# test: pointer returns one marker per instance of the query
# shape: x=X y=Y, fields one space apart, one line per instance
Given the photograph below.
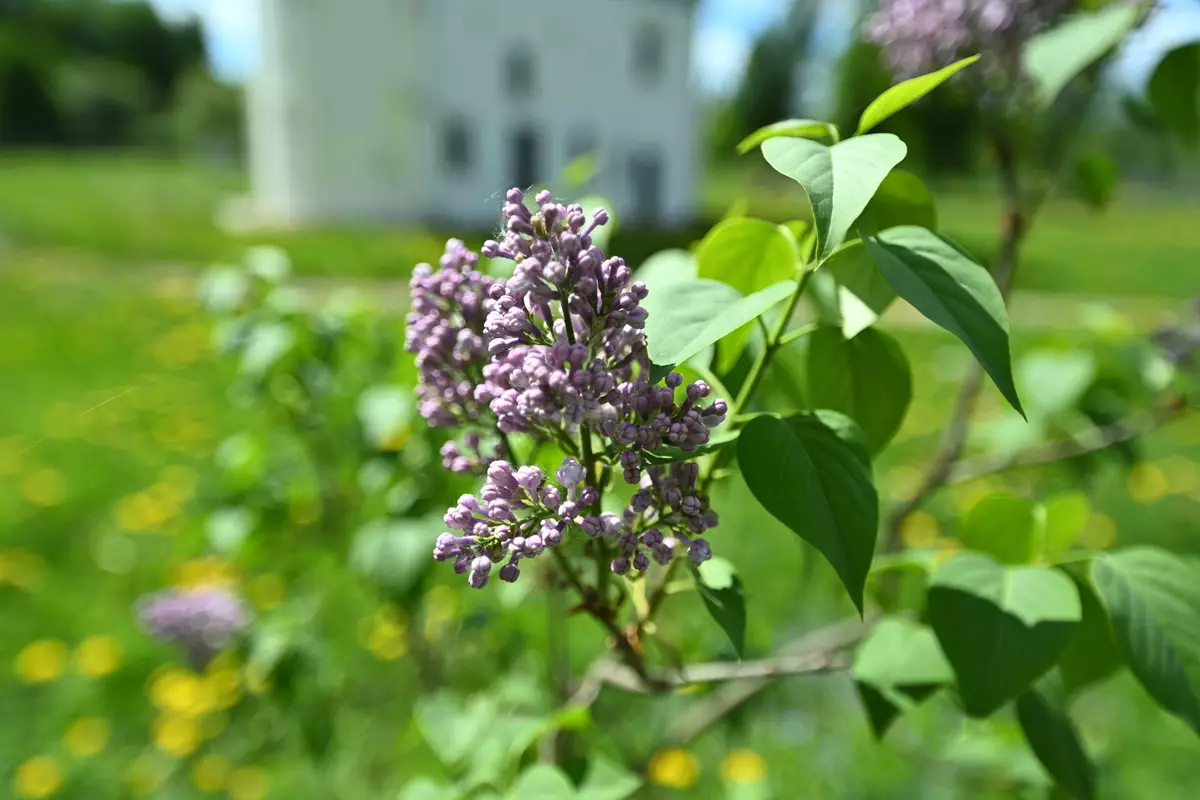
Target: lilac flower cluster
x=201 y=622
x=517 y=515
x=557 y=351
x=919 y=36
x=666 y=500
x=445 y=331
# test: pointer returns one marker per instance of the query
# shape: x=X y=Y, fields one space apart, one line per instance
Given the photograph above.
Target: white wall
x=349 y=110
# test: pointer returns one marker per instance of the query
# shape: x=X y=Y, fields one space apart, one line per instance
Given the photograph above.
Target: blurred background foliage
x=252 y=427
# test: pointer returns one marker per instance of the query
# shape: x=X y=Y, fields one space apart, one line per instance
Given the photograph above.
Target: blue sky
x=724 y=33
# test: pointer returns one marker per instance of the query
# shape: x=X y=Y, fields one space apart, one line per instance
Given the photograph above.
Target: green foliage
x=721 y=590
x=839 y=180
x=1057 y=56
x=899 y=665
x=1174 y=92
x=1153 y=599
x=812 y=472
x=1000 y=627
x=904 y=94
x=797 y=128
x=952 y=290
x=747 y=254
x=867 y=378
x=1003 y=526
x=1056 y=743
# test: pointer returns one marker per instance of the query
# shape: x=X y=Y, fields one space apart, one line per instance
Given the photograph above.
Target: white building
x=421 y=110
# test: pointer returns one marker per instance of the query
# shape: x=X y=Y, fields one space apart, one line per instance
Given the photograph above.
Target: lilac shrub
x=556 y=352
x=919 y=36
x=201 y=622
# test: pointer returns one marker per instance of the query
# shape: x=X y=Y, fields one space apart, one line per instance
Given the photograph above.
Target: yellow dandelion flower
x=205 y=573
x=176 y=735
x=210 y=773
x=395 y=441
x=266 y=591
x=1147 y=483
x=98 y=656
x=38 y=777
x=88 y=736
x=144 y=776
x=674 y=768
x=226 y=687
x=41 y=661
x=180 y=692
x=743 y=766
x=247 y=783
x=1100 y=533
x=388 y=640
x=919 y=530
x=44 y=487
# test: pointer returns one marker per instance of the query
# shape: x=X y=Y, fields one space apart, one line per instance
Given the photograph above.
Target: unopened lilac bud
x=652 y=537
x=462 y=563
x=571 y=473
x=550 y=496
x=699 y=551
x=674 y=380
x=591 y=526
x=697 y=390
x=691 y=506
x=620 y=565
x=544 y=197
x=515 y=195
x=627 y=542
x=640 y=561
x=509 y=572
x=600 y=217
x=588 y=496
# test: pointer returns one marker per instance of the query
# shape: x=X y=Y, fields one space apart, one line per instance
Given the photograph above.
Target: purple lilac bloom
x=919 y=36
x=669 y=514
x=201 y=622
x=470 y=457
x=445 y=330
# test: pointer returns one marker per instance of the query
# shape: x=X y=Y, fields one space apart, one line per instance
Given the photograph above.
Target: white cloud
x=231 y=30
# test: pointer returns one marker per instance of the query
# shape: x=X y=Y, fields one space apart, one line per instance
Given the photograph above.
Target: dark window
x=645 y=178
x=648 y=52
x=525 y=158
x=581 y=143
x=519 y=73
x=456 y=146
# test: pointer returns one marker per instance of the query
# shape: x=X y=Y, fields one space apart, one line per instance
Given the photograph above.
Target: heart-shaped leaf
x=667 y=268
x=839 y=180
x=858 y=293
x=953 y=291
x=867 y=378
x=798 y=128
x=695 y=314
x=812 y=472
x=902 y=95
x=1001 y=525
x=1153 y=599
x=1000 y=627
x=542 y=782
x=899 y=665
x=721 y=590
x=747 y=254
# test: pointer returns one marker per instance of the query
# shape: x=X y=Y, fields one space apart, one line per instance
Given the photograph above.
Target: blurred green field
x=112 y=405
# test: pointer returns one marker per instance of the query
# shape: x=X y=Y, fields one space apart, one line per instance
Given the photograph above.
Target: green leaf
x=1096 y=179
x=899 y=665
x=699 y=313
x=1053 y=58
x=796 y=128
x=902 y=95
x=860 y=293
x=747 y=254
x=1174 y=92
x=902 y=199
x=1093 y=653
x=721 y=590
x=1055 y=379
x=423 y=788
x=839 y=180
x=1064 y=518
x=1053 y=739
x=953 y=291
x=542 y=782
x=451 y=729
x=867 y=378
x=1001 y=525
x=608 y=781
x=1000 y=627
x=812 y=473
x=667 y=268
x=1153 y=599
x=389 y=551
x=669 y=454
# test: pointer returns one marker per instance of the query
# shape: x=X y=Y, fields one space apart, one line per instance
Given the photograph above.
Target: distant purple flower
x=201 y=622
x=920 y=36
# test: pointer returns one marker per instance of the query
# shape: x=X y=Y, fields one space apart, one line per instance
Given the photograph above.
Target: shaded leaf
x=721 y=590
x=747 y=254
x=1053 y=739
x=1003 y=526
x=1000 y=627
x=953 y=291
x=608 y=781
x=900 y=664
x=812 y=473
x=542 y=782
x=1055 y=57
x=860 y=293
x=669 y=454
x=867 y=378
x=1093 y=653
x=1174 y=92
x=902 y=95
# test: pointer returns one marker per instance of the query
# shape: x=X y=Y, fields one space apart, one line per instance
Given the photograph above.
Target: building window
x=581 y=143
x=518 y=71
x=525 y=157
x=645 y=180
x=456 y=146
x=648 y=48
